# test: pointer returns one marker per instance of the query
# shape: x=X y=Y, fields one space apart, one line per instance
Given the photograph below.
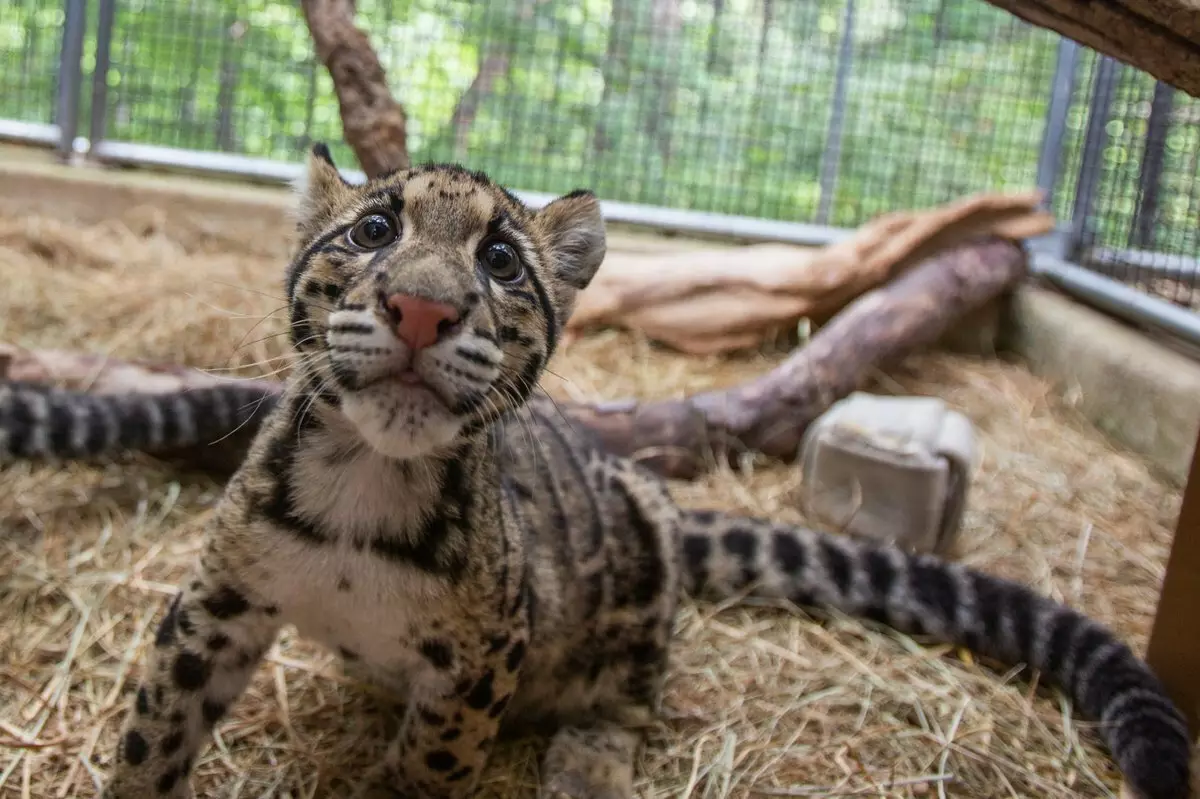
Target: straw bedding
x=761 y=702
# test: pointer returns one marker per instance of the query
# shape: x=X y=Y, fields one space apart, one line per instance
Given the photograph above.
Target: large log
x=770 y=414
x=1161 y=37
x=677 y=437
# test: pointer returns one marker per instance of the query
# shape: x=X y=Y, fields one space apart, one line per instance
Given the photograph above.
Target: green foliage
x=728 y=110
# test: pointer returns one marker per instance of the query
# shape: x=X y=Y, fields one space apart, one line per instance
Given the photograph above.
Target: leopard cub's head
x=426 y=303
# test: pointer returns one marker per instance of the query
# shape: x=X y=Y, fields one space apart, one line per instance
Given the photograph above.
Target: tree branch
x=373 y=122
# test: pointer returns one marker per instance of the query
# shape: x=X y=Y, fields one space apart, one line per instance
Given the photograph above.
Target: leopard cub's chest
x=364 y=607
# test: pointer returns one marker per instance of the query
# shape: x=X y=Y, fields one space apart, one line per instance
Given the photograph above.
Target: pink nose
x=420 y=322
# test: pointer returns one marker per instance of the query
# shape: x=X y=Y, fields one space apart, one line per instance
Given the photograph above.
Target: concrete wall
x=1142 y=393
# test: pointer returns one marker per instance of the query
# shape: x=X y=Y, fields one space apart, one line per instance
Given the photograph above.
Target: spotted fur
x=448 y=533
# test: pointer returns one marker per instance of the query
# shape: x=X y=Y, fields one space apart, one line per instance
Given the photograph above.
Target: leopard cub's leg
x=447 y=735
x=594 y=762
x=204 y=655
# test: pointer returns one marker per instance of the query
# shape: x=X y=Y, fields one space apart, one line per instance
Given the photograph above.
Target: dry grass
x=760 y=702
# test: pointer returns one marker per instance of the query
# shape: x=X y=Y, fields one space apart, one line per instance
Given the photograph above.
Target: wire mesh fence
x=821 y=111
x=30 y=43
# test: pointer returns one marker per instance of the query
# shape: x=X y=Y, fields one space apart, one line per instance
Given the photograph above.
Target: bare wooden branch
x=1161 y=37
x=373 y=122
x=678 y=437
x=770 y=414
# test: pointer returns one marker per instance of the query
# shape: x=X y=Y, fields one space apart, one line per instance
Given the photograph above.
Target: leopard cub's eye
x=501 y=261
x=374 y=231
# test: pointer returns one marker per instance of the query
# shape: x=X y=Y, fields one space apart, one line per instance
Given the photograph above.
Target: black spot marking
x=451 y=734
x=166 y=628
x=743 y=545
x=321 y=150
x=881 y=575
x=143 y=702
x=184 y=622
x=499 y=706
x=343 y=584
x=839 y=565
x=347 y=654
x=461 y=774
x=217 y=642
x=166 y=783
x=172 y=742
x=1058 y=643
x=740 y=543
x=935 y=590
x=212 y=711
x=512 y=661
x=136 y=748
x=441 y=760
x=696 y=551
x=497 y=642
x=480 y=695
x=509 y=333
x=189 y=671
x=431 y=718
x=226 y=603
x=271 y=610
x=789 y=552
x=438 y=653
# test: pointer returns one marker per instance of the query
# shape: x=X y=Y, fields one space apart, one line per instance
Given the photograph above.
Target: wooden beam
x=1174 y=651
x=1161 y=37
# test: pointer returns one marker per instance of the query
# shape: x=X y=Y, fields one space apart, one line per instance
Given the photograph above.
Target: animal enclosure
x=758 y=699
x=745 y=119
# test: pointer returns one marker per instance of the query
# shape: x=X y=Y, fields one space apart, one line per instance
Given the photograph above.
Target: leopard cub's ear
x=575 y=228
x=319 y=191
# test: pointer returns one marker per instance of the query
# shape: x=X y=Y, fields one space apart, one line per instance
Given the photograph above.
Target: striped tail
x=921 y=595
x=40 y=422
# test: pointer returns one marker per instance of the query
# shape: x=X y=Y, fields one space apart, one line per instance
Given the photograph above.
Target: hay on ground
x=761 y=702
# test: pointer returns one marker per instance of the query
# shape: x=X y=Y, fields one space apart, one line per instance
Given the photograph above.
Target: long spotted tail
x=922 y=595
x=41 y=422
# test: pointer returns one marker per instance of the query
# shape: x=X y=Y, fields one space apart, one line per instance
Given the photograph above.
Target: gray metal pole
x=1150 y=177
x=70 y=74
x=1095 y=140
x=104 y=34
x=832 y=158
x=1062 y=87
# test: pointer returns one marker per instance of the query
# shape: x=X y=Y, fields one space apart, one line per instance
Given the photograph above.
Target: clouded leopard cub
x=409 y=504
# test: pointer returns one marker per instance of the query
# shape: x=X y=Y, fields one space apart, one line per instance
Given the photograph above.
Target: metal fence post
x=99 y=110
x=1141 y=233
x=1062 y=87
x=1095 y=140
x=832 y=158
x=70 y=74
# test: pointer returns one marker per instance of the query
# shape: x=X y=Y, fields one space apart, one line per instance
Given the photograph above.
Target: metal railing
x=754 y=118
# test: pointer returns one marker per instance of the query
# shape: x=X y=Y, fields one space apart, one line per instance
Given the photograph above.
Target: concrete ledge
x=1142 y=394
